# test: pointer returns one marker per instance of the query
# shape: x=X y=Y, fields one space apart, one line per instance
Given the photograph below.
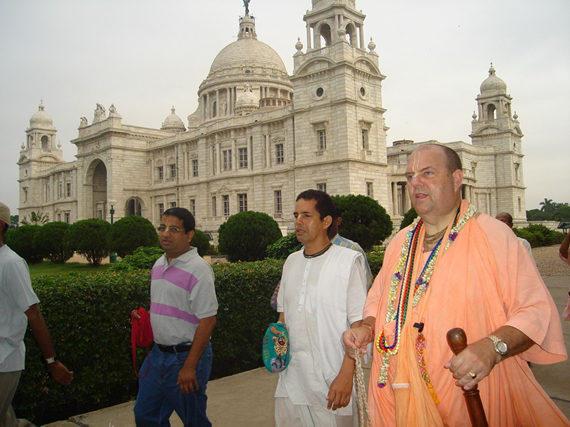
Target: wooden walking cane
x=457 y=341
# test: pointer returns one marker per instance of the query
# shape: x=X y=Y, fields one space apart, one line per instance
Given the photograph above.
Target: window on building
x=67 y=217
x=160 y=210
x=214 y=206
x=322 y=186
x=370 y=189
x=160 y=170
x=193 y=206
x=278 y=202
x=68 y=190
x=365 y=139
x=226 y=205
x=322 y=139
x=227 y=160
x=242 y=202
x=172 y=170
x=242 y=154
x=279 y=154
x=195 y=167
x=172 y=204
x=59 y=217
x=60 y=190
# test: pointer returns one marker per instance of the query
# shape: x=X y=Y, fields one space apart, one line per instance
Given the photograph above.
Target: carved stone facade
x=259 y=137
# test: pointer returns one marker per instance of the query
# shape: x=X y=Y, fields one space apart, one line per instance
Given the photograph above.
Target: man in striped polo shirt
x=183 y=314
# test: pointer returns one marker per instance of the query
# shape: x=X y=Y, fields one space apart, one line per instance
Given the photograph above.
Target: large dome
x=247 y=53
x=493 y=83
x=41 y=119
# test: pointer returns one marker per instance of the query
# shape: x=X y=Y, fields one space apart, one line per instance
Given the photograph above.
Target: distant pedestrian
x=18 y=307
x=506 y=218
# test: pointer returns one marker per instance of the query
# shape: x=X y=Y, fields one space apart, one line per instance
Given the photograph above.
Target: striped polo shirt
x=181 y=294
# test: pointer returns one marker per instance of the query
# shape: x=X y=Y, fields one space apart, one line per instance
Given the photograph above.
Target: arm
x=187 y=380
x=480 y=357
x=41 y=333
x=340 y=390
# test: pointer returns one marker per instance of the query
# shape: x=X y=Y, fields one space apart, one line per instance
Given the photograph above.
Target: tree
x=14 y=219
x=88 y=237
x=537 y=215
x=130 y=233
x=547 y=206
x=34 y=218
x=363 y=220
x=408 y=218
x=22 y=241
x=49 y=240
x=201 y=242
x=284 y=247
x=246 y=235
x=562 y=213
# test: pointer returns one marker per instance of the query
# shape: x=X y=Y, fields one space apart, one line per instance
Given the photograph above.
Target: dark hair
x=325 y=205
x=185 y=215
x=453 y=160
x=508 y=215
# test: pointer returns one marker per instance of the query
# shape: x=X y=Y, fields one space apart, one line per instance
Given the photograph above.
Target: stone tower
x=37 y=155
x=340 y=131
x=496 y=128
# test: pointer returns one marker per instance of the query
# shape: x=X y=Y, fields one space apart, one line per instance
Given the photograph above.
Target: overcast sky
x=144 y=56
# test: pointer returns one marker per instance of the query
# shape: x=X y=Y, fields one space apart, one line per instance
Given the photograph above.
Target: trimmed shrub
x=408 y=218
x=88 y=237
x=363 y=220
x=130 y=233
x=142 y=259
x=49 y=241
x=246 y=235
x=22 y=241
x=375 y=260
x=201 y=242
x=284 y=247
x=93 y=339
x=539 y=235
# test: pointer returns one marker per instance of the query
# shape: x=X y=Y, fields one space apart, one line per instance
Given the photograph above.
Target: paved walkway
x=246 y=399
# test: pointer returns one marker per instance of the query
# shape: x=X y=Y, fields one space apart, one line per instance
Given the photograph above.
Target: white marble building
x=260 y=136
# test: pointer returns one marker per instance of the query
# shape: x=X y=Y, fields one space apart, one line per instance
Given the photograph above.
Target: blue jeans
x=159 y=395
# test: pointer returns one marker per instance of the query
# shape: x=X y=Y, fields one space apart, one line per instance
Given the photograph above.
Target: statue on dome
x=83 y=122
x=246 y=5
x=99 y=113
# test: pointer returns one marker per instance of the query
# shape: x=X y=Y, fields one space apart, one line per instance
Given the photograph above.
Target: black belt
x=180 y=348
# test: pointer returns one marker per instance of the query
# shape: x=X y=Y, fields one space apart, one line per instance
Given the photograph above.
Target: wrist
x=369 y=327
x=51 y=360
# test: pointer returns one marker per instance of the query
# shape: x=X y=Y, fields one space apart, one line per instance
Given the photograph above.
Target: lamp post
x=113 y=256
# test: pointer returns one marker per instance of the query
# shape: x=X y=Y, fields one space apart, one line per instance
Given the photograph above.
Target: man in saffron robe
x=455 y=267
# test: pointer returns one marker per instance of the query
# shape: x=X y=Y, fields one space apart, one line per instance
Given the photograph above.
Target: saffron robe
x=484 y=280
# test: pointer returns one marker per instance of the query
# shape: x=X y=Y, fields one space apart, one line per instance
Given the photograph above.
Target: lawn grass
x=49 y=268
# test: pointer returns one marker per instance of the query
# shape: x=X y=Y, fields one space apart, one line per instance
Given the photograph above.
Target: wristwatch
x=51 y=360
x=500 y=346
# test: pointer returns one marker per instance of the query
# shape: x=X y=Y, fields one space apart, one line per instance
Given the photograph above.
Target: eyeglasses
x=173 y=229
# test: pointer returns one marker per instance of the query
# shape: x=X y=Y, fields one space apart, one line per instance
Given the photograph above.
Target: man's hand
x=187 y=380
x=340 y=391
x=478 y=358
x=60 y=373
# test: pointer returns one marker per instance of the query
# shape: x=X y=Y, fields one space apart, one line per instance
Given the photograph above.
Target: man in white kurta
x=323 y=290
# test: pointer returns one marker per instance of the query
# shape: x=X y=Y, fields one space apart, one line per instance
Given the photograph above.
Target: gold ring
x=472 y=374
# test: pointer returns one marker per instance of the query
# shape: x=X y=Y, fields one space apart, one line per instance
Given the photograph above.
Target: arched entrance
x=133 y=207
x=97 y=197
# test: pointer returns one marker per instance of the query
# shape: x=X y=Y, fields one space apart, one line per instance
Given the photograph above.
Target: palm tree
x=547 y=206
x=34 y=218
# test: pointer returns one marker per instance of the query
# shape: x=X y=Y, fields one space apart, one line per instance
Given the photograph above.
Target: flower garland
x=403 y=274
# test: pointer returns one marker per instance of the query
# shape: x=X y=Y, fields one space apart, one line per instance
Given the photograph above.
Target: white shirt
x=321 y=297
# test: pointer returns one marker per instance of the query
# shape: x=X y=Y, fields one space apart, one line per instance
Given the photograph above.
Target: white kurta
x=321 y=297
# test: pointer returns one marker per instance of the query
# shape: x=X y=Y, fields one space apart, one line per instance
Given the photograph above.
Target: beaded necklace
x=404 y=270
x=319 y=253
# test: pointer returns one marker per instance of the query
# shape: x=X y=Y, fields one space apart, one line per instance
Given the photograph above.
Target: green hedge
x=88 y=317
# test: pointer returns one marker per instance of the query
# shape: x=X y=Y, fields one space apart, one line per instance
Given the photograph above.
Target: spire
x=247 y=27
